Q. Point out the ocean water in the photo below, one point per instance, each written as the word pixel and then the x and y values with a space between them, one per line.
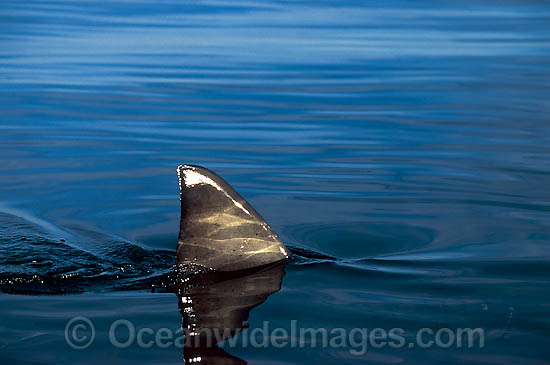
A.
pixel 400 149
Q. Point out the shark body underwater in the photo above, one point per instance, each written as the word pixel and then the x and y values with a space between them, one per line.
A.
pixel 228 261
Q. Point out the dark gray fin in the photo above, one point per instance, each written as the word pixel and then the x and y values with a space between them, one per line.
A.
pixel 219 230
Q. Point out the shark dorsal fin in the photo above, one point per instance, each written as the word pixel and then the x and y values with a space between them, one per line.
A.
pixel 219 230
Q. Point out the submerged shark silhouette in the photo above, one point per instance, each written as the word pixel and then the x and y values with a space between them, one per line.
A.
pixel 215 307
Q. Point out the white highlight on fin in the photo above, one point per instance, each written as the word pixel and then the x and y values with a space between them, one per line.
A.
pixel 192 177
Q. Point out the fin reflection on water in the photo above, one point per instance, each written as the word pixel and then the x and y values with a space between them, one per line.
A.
pixel 215 307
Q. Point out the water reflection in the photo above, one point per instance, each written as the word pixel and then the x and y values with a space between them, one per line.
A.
pixel 215 307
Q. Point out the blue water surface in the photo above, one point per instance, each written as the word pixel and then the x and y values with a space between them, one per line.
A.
pixel 404 146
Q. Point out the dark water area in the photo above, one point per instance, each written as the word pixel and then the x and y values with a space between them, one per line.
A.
pixel 400 149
